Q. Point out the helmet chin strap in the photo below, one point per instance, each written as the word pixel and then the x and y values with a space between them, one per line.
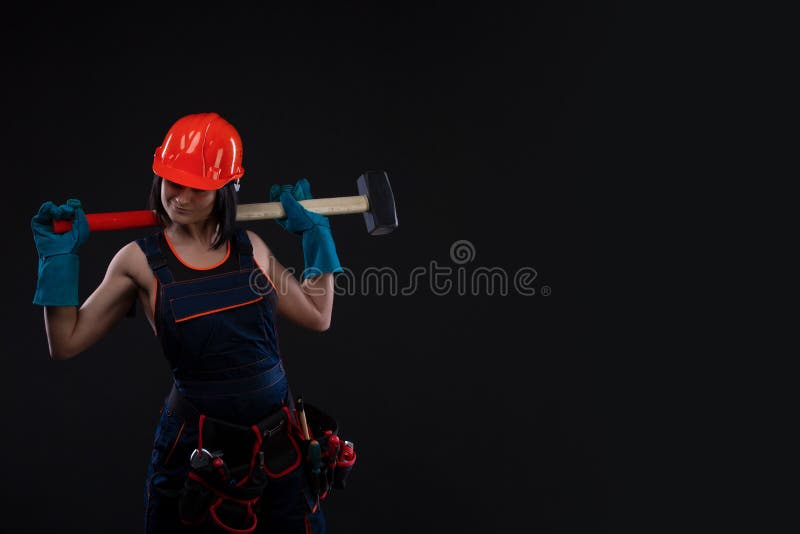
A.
pixel 236 185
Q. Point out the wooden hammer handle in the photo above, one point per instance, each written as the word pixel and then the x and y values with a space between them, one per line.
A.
pixel 123 220
pixel 323 206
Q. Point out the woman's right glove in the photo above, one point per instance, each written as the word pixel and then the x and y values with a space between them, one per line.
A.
pixel 319 251
pixel 57 280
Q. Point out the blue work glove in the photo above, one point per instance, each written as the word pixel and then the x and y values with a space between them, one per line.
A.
pixel 319 251
pixel 299 191
pixel 57 280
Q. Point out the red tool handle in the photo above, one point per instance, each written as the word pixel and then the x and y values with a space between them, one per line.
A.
pixel 112 220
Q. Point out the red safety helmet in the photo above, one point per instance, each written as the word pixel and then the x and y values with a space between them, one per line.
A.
pixel 202 151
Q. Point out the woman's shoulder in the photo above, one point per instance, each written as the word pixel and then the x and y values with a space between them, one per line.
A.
pixel 256 239
pixel 260 249
pixel 131 260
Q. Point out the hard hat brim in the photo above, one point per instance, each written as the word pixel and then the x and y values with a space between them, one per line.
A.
pixel 188 179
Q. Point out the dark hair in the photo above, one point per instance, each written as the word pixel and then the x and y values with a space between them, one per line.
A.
pixel 224 210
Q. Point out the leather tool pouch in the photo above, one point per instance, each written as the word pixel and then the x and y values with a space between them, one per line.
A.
pixel 231 467
pixel 337 457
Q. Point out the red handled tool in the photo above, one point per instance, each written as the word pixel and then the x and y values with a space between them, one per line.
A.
pixel 113 220
pixel 375 200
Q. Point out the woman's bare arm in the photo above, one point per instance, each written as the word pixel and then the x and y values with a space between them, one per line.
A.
pixel 310 303
pixel 71 330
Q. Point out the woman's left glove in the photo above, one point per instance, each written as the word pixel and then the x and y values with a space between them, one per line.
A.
pixel 57 280
pixel 319 250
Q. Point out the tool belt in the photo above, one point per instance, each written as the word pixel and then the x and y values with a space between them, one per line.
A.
pixel 232 464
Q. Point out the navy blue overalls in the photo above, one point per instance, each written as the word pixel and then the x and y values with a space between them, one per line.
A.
pixel 217 329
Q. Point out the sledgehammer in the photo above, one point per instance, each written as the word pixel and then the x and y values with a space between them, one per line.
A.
pixel 375 200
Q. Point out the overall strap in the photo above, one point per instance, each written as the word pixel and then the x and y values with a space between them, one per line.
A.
pixel 155 258
pixel 245 250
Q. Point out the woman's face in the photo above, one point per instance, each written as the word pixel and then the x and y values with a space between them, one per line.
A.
pixel 186 205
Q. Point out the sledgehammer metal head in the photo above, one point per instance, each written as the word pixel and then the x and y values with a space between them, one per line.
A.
pixel 381 218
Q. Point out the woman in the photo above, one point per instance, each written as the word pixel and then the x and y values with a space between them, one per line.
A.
pixel 211 292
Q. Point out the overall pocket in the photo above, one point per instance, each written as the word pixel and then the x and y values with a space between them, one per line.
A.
pixel 206 319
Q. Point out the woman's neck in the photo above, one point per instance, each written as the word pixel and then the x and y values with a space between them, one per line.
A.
pixel 202 233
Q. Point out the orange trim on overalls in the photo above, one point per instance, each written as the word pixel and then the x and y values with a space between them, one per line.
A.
pixel 218 310
pixel 169 455
pixel 169 244
pixel 155 294
pixel 260 268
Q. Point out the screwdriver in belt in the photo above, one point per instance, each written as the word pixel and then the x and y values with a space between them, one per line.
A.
pixel 314 454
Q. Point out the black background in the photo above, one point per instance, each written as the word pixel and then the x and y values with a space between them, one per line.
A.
pixel 470 413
